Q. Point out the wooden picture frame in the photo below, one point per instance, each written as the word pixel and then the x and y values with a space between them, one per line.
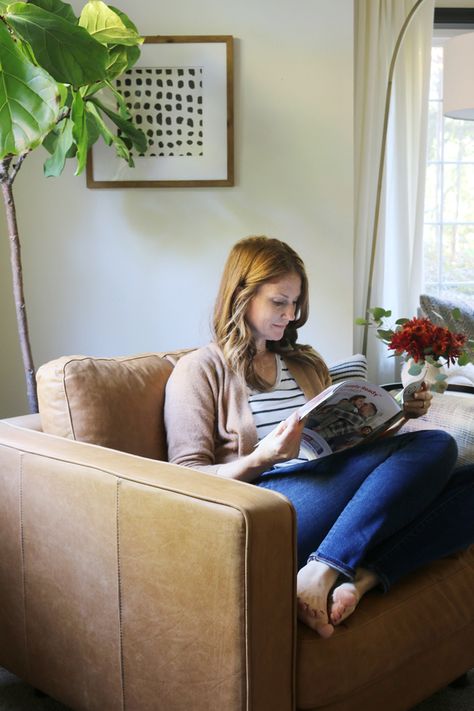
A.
pixel 181 94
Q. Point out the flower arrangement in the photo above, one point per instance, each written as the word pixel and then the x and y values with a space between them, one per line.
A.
pixel 421 341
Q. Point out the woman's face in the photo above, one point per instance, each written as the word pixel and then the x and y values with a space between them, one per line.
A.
pixel 272 308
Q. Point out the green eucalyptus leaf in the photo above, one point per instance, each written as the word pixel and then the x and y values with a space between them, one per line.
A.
pixel 440 377
pixel 378 313
pixel 362 322
pixel 66 51
pixel 401 321
pixel 415 368
pixel 60 8
pixel 384 335
pixel 106 26
pixel 136 136
pixel 29 100
pixel 456 314
pixel 79 131
pixel 463 359
pixel 54 165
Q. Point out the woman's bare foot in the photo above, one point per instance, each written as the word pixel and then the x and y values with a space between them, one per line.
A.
pixel 346 597
pixel 313 584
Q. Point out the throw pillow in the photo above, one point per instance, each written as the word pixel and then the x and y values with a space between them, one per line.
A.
pixel 453 414
pixel 113 402
pixel 439 311
pixel 353 367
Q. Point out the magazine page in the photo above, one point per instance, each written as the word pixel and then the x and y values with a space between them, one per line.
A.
pixel 353 412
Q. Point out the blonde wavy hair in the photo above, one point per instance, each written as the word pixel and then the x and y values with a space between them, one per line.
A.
pixel 253 261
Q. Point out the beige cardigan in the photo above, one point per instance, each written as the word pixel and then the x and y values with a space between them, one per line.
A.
pixel 207 416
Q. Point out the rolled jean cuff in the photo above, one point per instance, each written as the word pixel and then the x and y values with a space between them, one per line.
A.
pixel 336 564
pixel 385 582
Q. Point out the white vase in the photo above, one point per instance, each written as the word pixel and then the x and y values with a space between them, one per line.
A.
pixel 434 376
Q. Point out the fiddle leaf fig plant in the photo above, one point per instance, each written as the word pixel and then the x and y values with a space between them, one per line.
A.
pixel 56 91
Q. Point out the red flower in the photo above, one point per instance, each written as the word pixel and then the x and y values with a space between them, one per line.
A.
pixel 419 338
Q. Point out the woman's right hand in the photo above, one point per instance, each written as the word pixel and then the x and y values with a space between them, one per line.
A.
pixel 282 443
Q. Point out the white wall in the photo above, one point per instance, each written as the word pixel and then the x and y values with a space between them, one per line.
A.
pixel 122 271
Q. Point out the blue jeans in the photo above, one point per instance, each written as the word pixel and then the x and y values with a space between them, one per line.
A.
pixel 390 506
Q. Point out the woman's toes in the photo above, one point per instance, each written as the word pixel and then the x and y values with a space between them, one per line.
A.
pixel 344 602
pixel 316 619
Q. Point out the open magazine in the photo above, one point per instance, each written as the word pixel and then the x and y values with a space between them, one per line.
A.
pixel 349 413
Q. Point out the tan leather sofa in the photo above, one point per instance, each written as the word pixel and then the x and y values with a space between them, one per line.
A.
pixel 130 583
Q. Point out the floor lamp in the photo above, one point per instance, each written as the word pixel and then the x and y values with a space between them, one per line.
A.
pixel 383 149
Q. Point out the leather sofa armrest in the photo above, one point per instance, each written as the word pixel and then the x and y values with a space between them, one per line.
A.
pixel 27 422
pixel 179 584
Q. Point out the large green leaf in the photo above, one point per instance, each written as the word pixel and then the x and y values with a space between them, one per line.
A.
pixel 110 138
pixel 54 165
pixel 106 26
pixel 121 58
pixel 29 100
pixel 66 51
pixel 79 131
pixel 125 19
pixel 132 53
pixel 57 6
pixel 136 136
pixel 124 111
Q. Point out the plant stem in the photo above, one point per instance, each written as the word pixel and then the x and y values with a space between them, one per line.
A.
pixel 6 180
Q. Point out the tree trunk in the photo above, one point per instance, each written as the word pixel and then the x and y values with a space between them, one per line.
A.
pixel 17 276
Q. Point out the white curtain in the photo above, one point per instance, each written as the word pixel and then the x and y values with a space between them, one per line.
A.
pixel 397 276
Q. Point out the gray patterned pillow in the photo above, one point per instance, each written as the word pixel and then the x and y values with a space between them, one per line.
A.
pixel 439 311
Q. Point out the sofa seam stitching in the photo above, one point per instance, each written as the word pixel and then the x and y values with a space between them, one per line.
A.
pixel 23 568
pixel 119 590
pixel 68 404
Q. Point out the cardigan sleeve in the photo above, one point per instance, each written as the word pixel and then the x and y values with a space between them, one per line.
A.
pixel 190 413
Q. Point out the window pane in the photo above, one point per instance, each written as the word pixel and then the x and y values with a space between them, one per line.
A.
pixel 434 134
pixel 458 259
pixel 436 78
pixel 448 236
pixel 432 192
pixel 458 193
pixel 431 252
pixel 458 140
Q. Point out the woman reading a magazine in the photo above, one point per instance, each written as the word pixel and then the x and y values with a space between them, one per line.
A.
pixel 366 515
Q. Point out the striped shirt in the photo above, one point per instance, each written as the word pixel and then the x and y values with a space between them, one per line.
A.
pixel 272 406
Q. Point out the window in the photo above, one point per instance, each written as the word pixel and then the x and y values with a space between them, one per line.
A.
pixel 448 237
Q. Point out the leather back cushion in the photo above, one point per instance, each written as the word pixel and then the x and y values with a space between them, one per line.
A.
pixel 118 402
pixel 113 402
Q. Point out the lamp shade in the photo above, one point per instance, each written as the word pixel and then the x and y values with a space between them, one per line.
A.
pixel 458 77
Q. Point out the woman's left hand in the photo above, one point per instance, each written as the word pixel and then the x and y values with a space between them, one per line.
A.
pixel 419 404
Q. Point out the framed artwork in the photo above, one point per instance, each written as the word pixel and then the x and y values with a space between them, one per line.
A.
pixel 180 93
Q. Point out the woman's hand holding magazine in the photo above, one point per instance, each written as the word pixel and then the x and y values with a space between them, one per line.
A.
pixel 353 412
